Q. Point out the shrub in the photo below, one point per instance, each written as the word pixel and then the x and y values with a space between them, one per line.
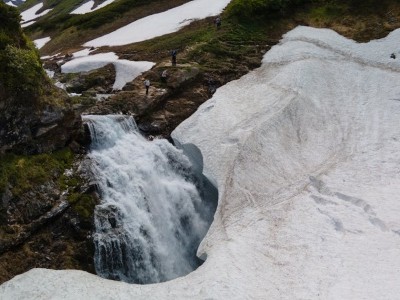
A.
pixel 10 30
pixel 25 172
pixel 259 8
pixel 21 73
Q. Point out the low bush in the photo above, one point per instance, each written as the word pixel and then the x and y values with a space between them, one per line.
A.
pixel 23 173
pixel 246 9
pixel 22 74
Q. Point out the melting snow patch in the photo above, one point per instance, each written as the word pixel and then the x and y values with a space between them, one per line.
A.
pixel 31 13
pixel 49 73
pixel 125 70
pixel 41 42
pixel 88 63
pixel 81 53
pixel 23 25
pixel 162 23
pixel 87 7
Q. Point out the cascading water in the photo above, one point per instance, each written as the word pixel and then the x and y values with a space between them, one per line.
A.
pixel 150 220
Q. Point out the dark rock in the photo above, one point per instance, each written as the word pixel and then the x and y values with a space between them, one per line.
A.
pixel 149 128
pixel 97 81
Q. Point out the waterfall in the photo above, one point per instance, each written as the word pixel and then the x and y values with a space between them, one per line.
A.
pixel 150 220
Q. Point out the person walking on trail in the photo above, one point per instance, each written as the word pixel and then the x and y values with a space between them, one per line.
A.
pixel 173 57
pixel 147 85
pixel 164 75
pixel 218 22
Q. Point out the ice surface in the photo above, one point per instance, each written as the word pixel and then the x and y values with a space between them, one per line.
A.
pixel 162 23
pixel 305 153
pixel 87 7
pixel 126 70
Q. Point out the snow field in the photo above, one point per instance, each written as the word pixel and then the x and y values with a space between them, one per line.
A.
pixel 159 24
pixel 87 7
pixel 31 14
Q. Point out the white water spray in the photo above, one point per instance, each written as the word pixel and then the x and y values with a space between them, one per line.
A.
pixel 150 222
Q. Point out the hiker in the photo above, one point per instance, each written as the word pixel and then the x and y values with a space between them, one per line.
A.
pixel 218 22
pixel 164 75
pixel 147 85
pixel 393 56
pixel 173 56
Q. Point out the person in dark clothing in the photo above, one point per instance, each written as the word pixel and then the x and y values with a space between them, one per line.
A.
pixel 218 22
pixel 147 85
pixel 393 56
pixel 173 57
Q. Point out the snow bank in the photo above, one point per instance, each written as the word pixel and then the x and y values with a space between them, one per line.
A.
pixel 41 42
pixel 14 3
pixel 31 13
pixel 87 7
pixel 126 70
pixel 162 23
pixel 304 151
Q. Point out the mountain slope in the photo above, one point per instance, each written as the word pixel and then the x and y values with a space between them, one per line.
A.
pixel 306 164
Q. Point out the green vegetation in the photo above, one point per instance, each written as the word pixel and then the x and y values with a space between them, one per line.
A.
pixel 83 204
pixel 61 18
pixel 10 31
pixel 23 173
pixel 251 9
pixel 248 9
pixel 21 73
pixel 73 30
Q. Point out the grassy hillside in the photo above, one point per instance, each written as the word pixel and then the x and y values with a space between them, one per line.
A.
pixel 70 31
pixel 226 54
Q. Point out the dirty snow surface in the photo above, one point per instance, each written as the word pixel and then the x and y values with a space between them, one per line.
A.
pixel 305 153
pixel 159 24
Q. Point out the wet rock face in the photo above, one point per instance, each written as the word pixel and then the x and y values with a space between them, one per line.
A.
pixel 29 131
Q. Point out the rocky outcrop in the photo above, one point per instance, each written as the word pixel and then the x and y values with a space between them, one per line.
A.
pixel 30 131
pixel 35 116
pixel 47 225
pixel 44 212
pixel 99 81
